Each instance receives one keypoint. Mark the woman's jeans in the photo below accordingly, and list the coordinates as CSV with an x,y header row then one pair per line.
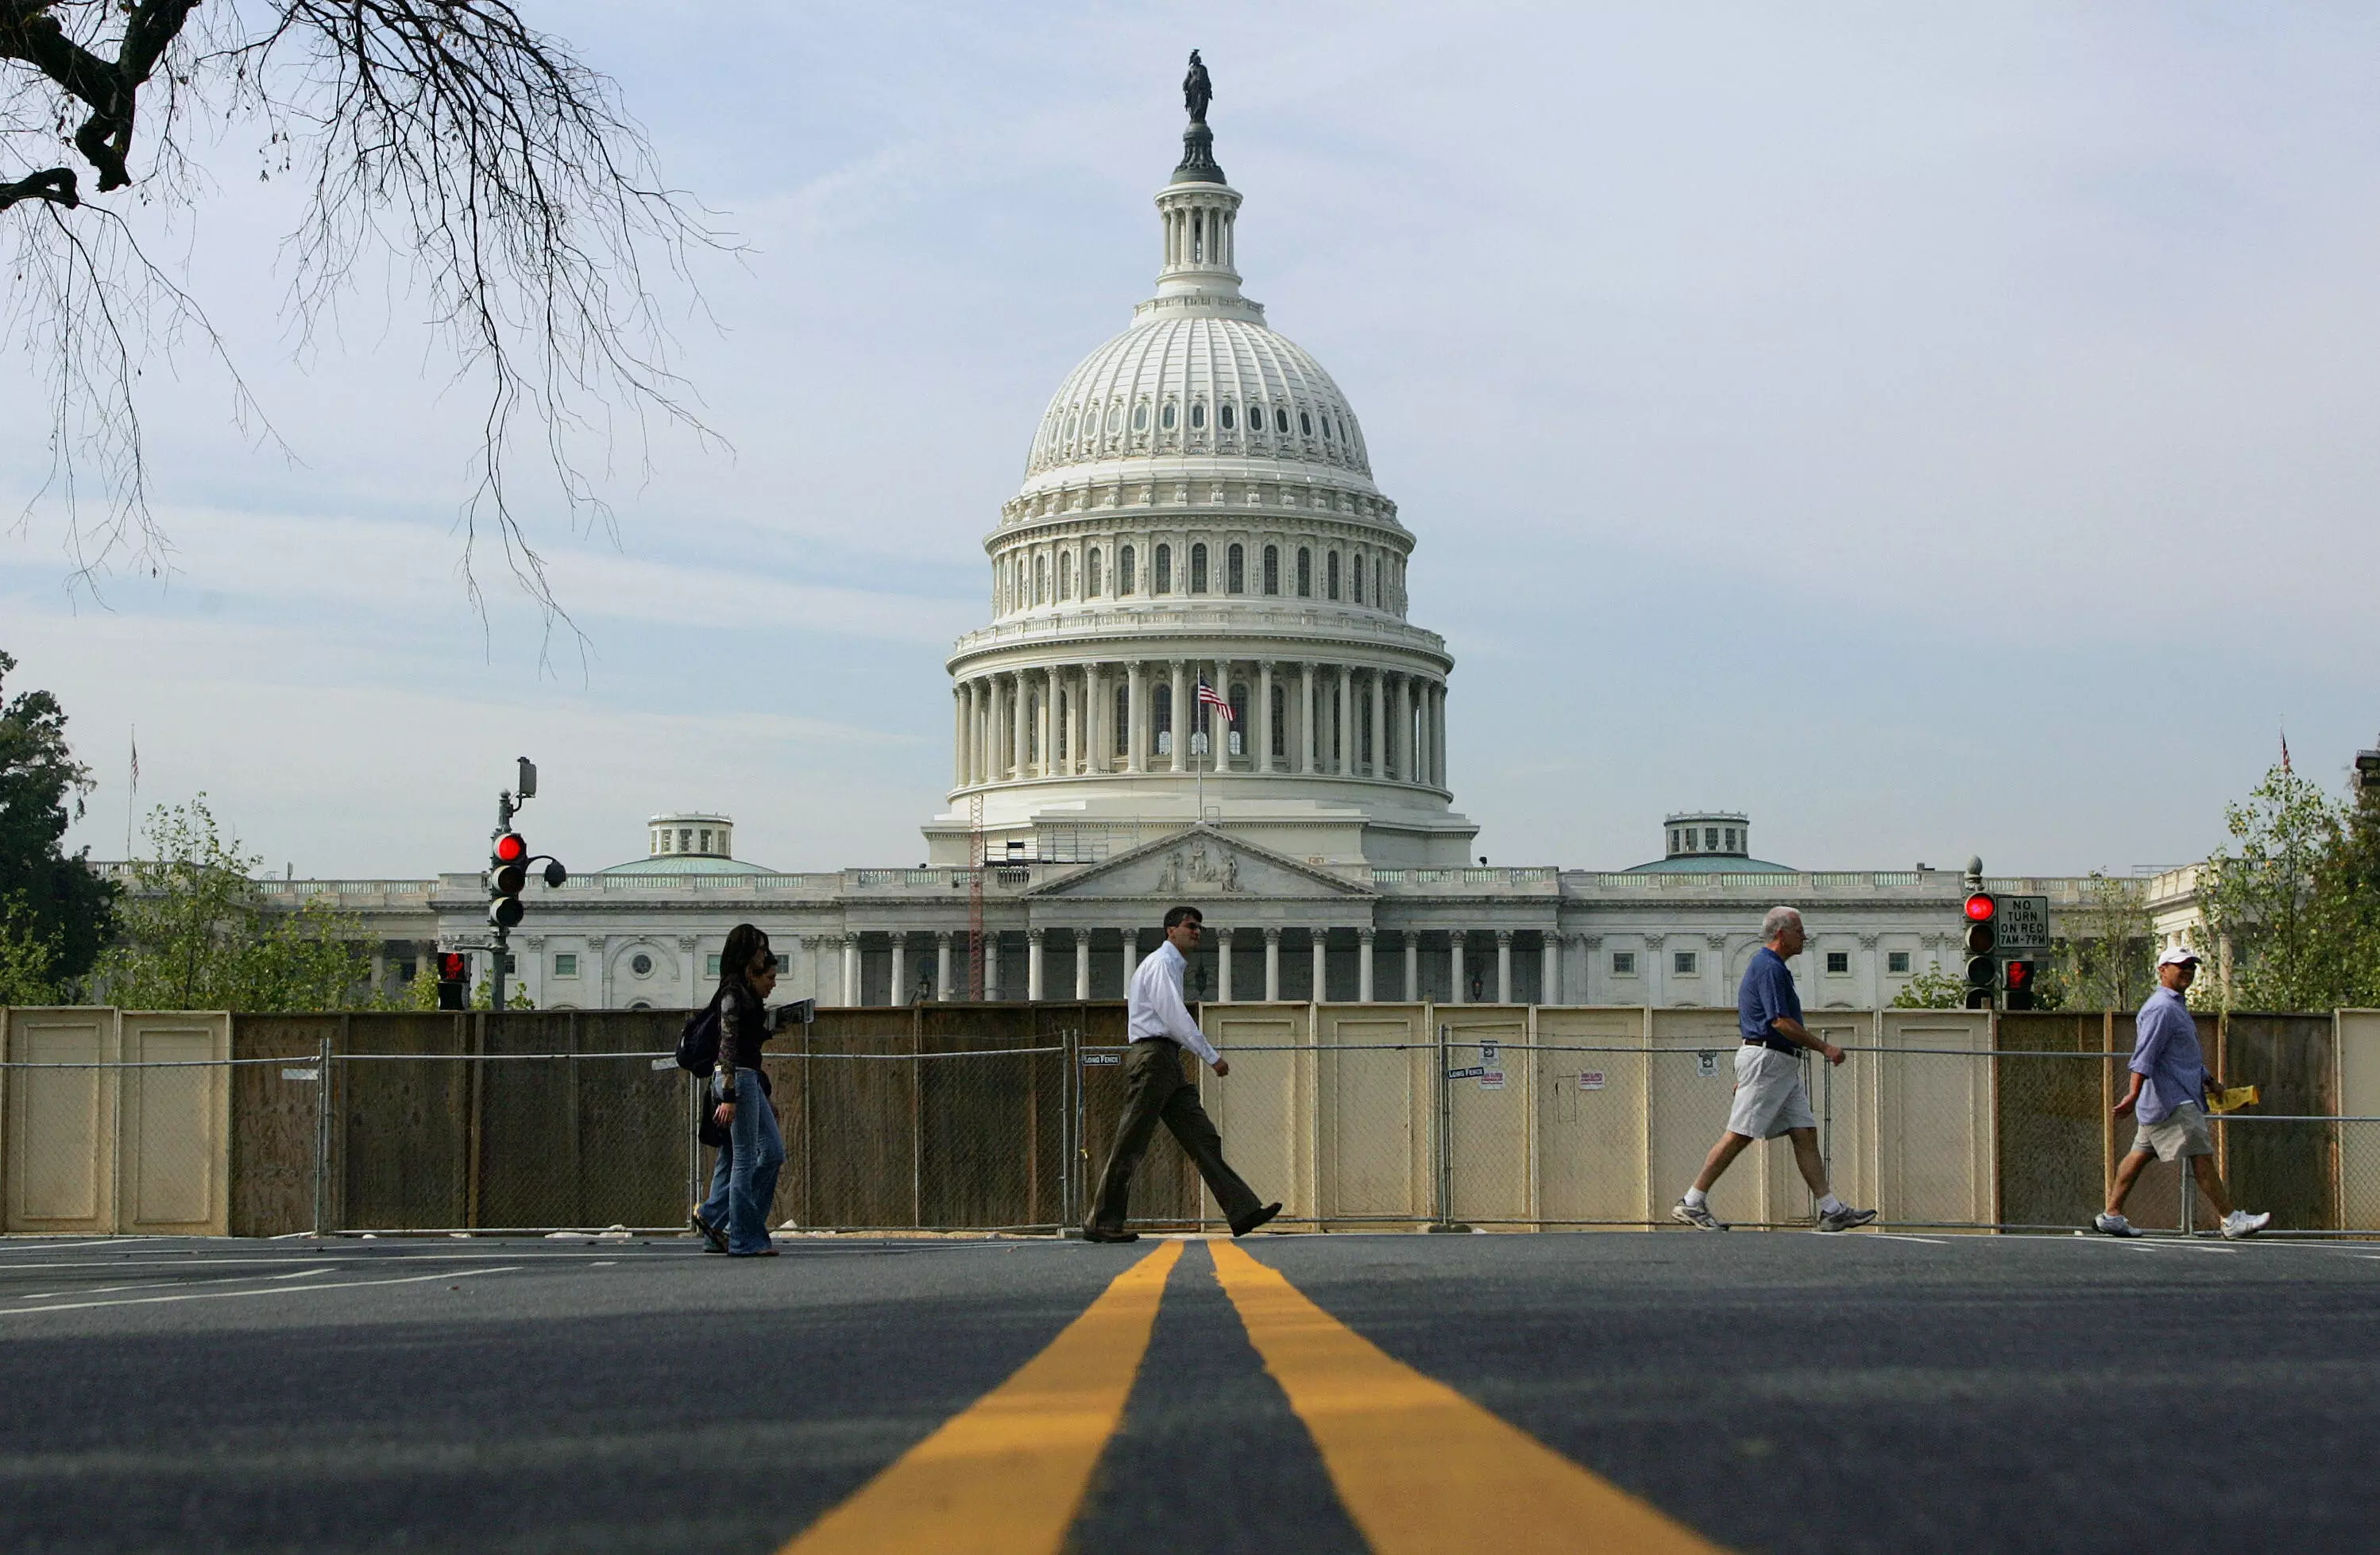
x,y
744,1183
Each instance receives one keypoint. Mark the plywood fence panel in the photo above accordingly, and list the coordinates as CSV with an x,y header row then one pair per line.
x,y
1935,1147
1377,1071
2050,1116
173,1171
403,1132
2285,1168
274,1121
2358,1061
1691,1061
1266,1107
1591,1106
1841,1098
1491,1119
61,1122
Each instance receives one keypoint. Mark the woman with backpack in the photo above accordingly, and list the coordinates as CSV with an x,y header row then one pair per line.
x,y
735,1218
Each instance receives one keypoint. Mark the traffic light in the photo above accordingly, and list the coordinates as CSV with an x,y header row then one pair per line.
x,y
453,980
2016,977
507,877
1982,968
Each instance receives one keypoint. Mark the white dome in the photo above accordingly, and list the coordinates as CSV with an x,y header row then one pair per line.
x,y
1208,384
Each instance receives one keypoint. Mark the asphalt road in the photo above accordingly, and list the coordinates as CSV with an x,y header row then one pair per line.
x,y
1777,1392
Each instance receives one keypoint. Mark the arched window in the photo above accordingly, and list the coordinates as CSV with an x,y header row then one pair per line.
x,y
1066,575
1241,734
1280,418
1072,419
1197,415
1033,726
1280,720
1122,721
1115,420
1326,424
1358,579
1305,423
1305,573
1140,418
1198,568
1164,582
1235,570
1125,582
1226,414
1091,574
1272,569
1160,709
1165,417
1058,723
1330,574
1041,579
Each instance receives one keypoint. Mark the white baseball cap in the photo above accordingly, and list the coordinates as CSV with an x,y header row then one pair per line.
x,y
2180,955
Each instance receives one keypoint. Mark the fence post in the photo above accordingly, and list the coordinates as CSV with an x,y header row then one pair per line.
x,y
1444,1142
322,1102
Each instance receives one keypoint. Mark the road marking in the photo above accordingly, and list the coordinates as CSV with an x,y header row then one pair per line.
x,y
273,1290
1420,1467
1006,1475
1902,1236
298,1274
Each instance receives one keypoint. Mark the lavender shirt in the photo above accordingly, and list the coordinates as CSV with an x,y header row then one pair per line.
x,y
2166,1051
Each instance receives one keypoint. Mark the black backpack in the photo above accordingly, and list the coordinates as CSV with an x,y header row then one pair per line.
x,y
697,1044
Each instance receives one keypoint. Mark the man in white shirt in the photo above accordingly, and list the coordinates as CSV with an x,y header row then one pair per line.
x,y
1154,1090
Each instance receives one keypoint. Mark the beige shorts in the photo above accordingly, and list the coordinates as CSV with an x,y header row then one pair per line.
x,y
1769,1097
2183,1132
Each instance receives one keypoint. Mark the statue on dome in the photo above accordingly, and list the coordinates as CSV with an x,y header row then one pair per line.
x,y
1198,89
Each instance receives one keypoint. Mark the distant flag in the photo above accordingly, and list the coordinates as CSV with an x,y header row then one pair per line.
x,y
1209,698
132,793
2285,751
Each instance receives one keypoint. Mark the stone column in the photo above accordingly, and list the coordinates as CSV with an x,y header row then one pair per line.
x,y
1272,966
1380,727
1413,966
1400,760
1263,752
1095,717
850,966
1020,755
1305,741
1504,966
1130,956
1438,734
1871,987
900,983
1082,964
1224,966
942,966
380,967
995,732
1321,941
1181,717
1657,971
959,698
426,965
1136,736
1549,969
1078,729
1033,983
1363,965
990,965
1460,991
1345,720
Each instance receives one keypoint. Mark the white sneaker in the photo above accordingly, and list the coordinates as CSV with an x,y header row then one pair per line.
x,y
1843,1219
1696,1215
2240,1222
2114,1225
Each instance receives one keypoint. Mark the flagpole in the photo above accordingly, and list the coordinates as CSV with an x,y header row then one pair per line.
x,y
132,793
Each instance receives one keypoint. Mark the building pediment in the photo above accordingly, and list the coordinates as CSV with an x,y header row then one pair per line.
x,y
1198,863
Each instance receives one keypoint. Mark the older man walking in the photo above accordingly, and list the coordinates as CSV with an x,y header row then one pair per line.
x,y
1770,1099
1155,1091
2169,1082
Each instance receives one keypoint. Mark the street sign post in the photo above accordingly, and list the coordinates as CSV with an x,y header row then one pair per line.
x,y
2023,926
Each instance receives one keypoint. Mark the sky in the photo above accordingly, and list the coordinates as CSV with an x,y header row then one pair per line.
x,y
1931,431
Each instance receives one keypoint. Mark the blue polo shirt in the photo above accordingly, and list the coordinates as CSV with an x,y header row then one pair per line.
x,y
2166,1055
1767,994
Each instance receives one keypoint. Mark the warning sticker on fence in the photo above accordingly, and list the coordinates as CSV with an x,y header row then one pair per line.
x,y
1591,1080
660,1064
301,1074
1706,1063
1491,1079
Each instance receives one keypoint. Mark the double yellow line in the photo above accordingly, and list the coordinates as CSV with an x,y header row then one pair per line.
x,y
1420,1467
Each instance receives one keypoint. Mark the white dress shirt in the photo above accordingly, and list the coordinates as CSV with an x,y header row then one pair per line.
x,y
1157,1008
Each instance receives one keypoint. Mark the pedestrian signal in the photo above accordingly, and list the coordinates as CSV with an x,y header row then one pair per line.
x,y
1983,911
454,973
2016,978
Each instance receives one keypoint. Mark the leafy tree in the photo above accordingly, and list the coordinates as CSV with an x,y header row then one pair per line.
x,y
478,159
62,909
2292,909
25,957
2108,959
198,935
1932,989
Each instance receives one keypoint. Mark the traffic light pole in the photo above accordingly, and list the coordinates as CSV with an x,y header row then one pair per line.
x,y
506,809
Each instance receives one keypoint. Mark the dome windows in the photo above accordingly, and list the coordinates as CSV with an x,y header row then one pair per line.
x,y
1225,415
1067,577
1040,580
1356,581
1198,568
1163,583
1280,418
1115,420
1305,573
1073,420
1165,417
1140,418
1272,569
1198,415
1235,570
1304,423
1125,580
1325,426
1330,574
1091,574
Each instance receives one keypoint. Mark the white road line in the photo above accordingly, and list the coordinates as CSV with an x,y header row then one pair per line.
x,y
277,1290
376,1260
1901,1237
299,1273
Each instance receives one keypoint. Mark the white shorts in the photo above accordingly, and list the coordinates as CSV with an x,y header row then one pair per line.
x,y
1770,1100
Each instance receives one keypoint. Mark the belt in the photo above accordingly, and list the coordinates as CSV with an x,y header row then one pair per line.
x,y
1773,1044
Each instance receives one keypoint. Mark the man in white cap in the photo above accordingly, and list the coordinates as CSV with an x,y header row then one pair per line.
x,y
2170,1083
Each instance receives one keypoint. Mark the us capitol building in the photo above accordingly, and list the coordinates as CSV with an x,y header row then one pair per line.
x,y
1198,510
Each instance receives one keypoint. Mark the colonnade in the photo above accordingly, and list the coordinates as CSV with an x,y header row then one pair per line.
x,y
945,951
1066,721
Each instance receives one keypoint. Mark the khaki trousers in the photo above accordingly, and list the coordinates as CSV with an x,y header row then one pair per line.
x,y
1154,1091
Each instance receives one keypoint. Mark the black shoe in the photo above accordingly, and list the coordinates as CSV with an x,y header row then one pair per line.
x,y
1096,1233
1253,1221
713,1239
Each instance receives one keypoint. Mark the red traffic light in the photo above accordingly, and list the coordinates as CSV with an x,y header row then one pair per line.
x,y
511,849
1982,907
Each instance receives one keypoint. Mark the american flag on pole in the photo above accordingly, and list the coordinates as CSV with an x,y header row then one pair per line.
x,y
1209,698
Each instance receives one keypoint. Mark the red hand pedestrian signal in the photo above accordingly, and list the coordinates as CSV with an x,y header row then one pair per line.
x,y
454,973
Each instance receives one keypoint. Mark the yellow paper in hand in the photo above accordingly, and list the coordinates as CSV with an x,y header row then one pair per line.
x,y
2234,1098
